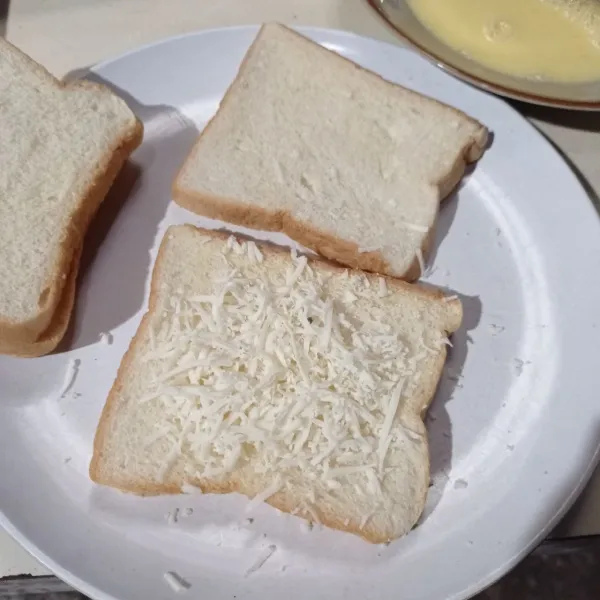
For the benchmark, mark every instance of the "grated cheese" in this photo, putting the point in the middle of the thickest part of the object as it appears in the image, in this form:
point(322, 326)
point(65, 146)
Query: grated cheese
point(176, 582)
point(70, 376)
point(264, 495)
point(421, 261)
point(187, 488)
point(414, 227)
point(386, 428)
point(262, 559)
point(364, 521)
point(314, 517)
point(168, 464)
point(270, 369)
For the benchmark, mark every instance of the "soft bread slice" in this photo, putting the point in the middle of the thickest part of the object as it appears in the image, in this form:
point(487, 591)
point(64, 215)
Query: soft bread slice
point(346, 163)
point(55, 332)
point(294, 382)
point(61, 147)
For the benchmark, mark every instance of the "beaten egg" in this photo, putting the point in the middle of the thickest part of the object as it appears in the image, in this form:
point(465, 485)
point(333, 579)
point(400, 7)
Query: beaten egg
point(556, 40)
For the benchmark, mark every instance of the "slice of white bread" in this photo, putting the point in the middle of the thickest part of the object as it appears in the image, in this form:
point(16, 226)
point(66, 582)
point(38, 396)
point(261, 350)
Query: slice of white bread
point(50, 338)
point(61, 146)
point(344, 162)
point(290, 381)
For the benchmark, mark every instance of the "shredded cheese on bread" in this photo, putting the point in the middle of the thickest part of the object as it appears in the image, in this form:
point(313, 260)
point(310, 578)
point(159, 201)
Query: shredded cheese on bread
point(294, 382)
point(278, 370)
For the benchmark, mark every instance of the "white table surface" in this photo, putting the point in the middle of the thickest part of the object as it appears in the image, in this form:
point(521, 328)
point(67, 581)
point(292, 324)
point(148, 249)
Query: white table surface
point(66, 35)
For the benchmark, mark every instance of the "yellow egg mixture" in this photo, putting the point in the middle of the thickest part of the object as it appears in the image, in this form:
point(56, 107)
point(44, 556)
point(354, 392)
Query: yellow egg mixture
point(548, 39)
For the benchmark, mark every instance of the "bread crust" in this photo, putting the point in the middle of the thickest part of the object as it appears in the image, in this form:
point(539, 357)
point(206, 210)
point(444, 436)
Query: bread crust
point(50, 338)
point(324, 243)
point(100, 472)
point(31, 332)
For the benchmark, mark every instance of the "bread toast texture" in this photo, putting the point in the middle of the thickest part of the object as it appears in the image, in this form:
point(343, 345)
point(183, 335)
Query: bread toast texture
point(344, 162)
point(62, 146)
point(289, 380)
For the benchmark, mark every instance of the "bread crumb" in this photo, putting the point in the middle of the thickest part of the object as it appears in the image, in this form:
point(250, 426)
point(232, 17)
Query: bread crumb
point(172, 517)
point(262, 559)
point(383, 291)
point(461, 484)
point(306, 526)
point(188, 512)
point(278, 171)
point(519, 364)
point(106, 338)
point(496, 329)
point(453, 375)
point(176, 582)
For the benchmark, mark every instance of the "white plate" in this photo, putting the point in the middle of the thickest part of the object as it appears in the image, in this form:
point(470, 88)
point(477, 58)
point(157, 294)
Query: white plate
point(513, 441)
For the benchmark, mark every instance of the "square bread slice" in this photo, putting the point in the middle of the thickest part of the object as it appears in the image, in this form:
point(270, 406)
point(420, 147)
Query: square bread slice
point(61, 147)
point(285, 379)
point(344, 162)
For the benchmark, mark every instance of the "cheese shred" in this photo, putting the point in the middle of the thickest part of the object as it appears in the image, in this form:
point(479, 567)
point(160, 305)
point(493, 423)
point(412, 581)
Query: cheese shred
point(272, 370)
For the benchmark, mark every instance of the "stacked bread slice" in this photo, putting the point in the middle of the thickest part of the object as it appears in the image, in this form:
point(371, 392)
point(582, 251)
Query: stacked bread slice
point(61, 147)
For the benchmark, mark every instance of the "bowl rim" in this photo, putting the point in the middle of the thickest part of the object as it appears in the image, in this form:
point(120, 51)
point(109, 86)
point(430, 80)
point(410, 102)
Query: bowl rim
point(511, 92)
